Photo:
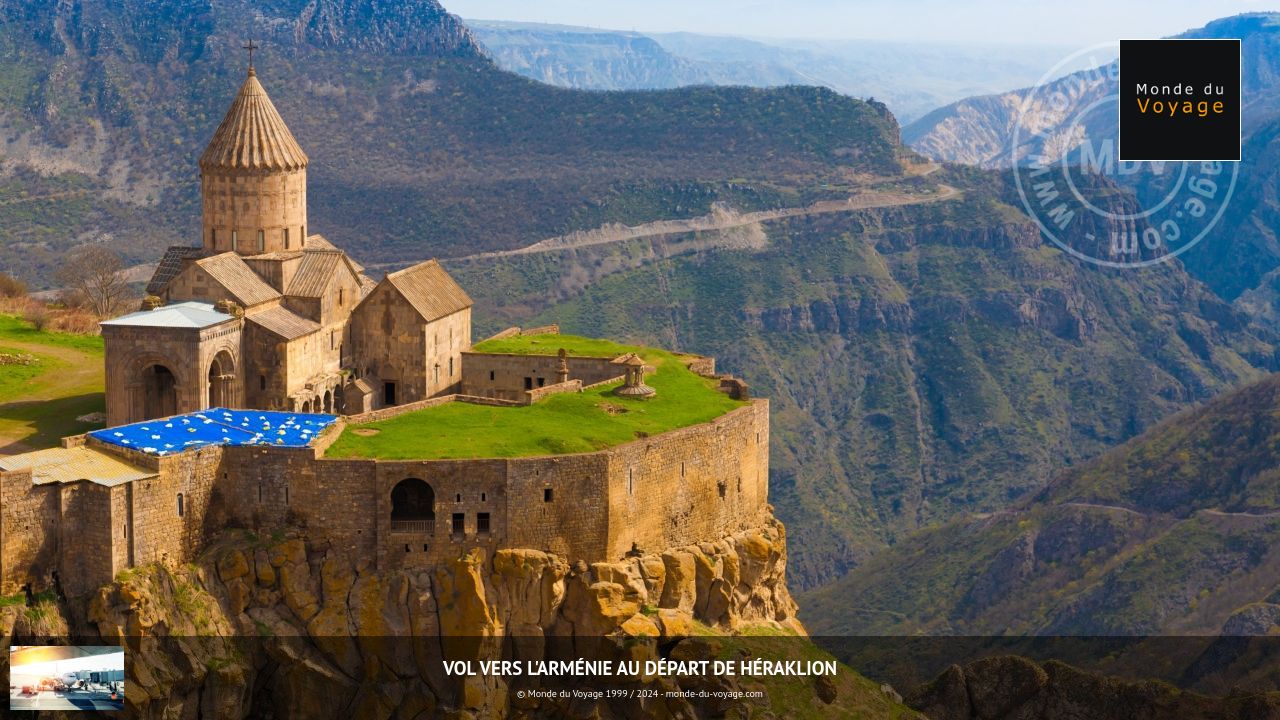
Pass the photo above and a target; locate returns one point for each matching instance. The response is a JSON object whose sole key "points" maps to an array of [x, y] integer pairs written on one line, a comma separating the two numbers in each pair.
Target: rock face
{"points": [[311, 632]]}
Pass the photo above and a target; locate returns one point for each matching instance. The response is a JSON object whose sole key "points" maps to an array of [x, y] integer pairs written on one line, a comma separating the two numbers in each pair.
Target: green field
{"points": [[566, 423], [39, 402]]}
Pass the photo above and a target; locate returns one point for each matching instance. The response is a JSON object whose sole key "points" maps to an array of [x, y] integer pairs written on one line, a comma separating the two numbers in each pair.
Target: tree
{"points": [[11, 286], [97, 275]]}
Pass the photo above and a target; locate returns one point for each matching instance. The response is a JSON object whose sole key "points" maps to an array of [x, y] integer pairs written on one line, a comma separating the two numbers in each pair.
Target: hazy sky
{"points": [[1040, 22]]}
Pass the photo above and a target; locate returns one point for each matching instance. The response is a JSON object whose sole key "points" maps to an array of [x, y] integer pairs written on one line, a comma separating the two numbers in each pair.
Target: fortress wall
{"points": [[500, 375], [267, 487], [465, 487], [84, 525], [690, 485], [574, 522], [159, 533], [28, 531]]}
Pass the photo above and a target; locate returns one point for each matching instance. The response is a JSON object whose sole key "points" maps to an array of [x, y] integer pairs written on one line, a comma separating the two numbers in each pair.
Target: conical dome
{"points": [[253, 136]]}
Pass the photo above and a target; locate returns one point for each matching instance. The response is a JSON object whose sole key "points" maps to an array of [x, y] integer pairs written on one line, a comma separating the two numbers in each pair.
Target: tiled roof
{"points": [[318, 242], [178, 315], [430, 290], [63, 465], [314, 273], [231, 271], [253, 136], [283, 322], [170, 265]]}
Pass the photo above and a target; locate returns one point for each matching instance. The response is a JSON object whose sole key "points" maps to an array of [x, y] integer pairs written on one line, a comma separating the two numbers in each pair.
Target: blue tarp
{"points": [[217, 426]]}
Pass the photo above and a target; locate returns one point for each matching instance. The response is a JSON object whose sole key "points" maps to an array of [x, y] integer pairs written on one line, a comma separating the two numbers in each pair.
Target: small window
{"points": [[482, 523], [262, 241], [546, 494], [424, 547], [342, 295], [262, 382], [631, 481], [528, 383], [181, 509], [286, 494], [491, 375], [125, 529], [457, 498], [333, 339], [213, 238], [681, 469], [450, 367], [482, 497], [235, 239], [459, 523], [286, 238], [542, 382], [406, 547]]}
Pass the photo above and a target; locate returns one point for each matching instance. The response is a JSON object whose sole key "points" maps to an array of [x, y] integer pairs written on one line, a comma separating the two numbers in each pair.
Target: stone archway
{"points": [[328, 401], [159, 389], [222, 378], [413, 507], [339, 400]]}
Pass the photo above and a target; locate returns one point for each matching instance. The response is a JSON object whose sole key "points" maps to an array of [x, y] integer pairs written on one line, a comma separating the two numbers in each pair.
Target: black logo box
{"points": [[1184, 63]]}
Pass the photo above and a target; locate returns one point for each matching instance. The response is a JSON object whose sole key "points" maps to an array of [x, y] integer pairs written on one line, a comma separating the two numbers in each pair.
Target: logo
{"points": [[1088, 201]]}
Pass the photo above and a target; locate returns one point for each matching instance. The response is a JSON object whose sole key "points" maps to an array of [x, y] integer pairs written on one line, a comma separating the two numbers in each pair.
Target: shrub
{"points": [[11, 287], [38, 315]]}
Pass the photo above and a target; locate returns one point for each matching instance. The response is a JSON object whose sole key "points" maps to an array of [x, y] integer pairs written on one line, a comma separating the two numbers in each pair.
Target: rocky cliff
{"points": [[287, 627]]}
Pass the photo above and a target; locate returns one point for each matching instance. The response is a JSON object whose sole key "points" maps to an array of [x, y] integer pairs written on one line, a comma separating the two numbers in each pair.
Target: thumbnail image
{"points": [[66, 677]]}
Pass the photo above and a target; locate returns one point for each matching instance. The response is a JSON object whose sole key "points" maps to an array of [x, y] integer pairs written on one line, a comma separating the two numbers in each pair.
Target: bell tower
{"points": [[253, 178]]}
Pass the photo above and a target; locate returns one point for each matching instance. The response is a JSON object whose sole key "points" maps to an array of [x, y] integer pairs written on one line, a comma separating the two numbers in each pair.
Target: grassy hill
{"points": [[921, 361], [420, 147], [47, 380], [1173, 533]]}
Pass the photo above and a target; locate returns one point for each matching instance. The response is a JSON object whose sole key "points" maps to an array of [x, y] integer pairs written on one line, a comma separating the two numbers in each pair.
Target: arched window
{"points": [[262, 241], [181, 508], [413, 507]]}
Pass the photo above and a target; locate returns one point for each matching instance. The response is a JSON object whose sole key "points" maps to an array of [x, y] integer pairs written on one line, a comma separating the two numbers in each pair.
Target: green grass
{"points": [[15, 328], [40, 403], [566, 423], [551, 344]]}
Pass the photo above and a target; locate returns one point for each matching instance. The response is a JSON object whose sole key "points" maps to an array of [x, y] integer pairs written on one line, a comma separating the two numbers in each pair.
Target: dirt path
{"points": [[720, 218], [85, 368]]}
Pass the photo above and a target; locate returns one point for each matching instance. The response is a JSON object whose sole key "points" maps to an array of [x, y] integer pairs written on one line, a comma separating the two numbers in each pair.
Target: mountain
{"points": [[979, 130], [1173, 533], [911, 78], [923, 359], [419, 145]]}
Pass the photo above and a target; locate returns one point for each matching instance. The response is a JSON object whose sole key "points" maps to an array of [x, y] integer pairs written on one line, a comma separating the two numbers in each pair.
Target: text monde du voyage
{"points": [[1181, 99]]}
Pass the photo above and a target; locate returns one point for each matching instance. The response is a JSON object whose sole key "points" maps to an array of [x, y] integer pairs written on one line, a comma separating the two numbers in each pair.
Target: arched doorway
{"points": [[306, 406], [413, 507], [159, 392], [339, 403], [328, 401], [222, 380]]}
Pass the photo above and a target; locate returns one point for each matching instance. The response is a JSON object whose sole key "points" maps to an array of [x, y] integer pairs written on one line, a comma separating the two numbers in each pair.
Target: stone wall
{"points": [[84, 526], [29, 533], [188, 353], [688, 485], [508, 376]]}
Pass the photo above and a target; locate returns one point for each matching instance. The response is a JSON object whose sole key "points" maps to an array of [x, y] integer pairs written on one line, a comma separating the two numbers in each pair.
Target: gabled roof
{"points": [[178, 315], [170, 265], [314, 273], [430, 290], [253, 136], [280, 321], [233, 273]]}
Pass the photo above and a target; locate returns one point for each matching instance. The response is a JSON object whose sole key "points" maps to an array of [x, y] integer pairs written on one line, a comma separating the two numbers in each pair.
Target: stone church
{"points": [[264, 314]]}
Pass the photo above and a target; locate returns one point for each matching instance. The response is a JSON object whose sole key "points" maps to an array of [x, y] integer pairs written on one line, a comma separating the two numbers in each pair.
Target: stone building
{"points": [[263, 314]]}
